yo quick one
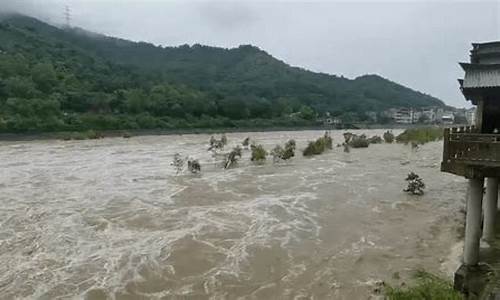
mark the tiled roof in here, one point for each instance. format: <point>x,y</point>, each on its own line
<point>481,76</point>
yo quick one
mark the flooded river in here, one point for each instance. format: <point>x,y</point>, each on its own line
<point>109,219</point>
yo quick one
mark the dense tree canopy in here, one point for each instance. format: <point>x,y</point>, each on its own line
<point>70,79</point>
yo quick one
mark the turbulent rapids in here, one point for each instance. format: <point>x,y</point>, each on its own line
<point>111,219</point>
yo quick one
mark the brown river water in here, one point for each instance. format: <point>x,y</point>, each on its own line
<point>110,219</point>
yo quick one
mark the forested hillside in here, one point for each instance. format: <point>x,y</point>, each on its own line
<point>54,79</point>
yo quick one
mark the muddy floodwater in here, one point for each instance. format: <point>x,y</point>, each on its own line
<point>109,219</point>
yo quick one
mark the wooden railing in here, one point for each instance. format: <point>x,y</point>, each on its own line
<point>464,145</point>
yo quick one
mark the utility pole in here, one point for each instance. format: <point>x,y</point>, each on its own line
<point>67,16</point>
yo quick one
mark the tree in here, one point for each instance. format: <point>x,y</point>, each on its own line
<point>22,87</point>
<point>234,108</point>
<point>44,75</point>
<point>307,113</point>
<point>136,101</point>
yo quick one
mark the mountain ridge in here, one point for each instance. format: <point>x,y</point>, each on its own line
<point>176,85</point>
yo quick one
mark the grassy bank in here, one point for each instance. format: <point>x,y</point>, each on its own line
<point>427,286</point>
<point>420,135</point>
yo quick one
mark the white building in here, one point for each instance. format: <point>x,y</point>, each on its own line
<point>403,115</point>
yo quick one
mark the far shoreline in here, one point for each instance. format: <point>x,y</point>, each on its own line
<point>59,135</point>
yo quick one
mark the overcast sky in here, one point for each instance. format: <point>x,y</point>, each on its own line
<point>417,44</point>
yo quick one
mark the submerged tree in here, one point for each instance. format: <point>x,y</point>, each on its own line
<point>328,140</point>
<point>355,141</point>
<point>232,157</point>
<point>375,140</point>
<point>178,163</point>
<point>359,141</point>
<point>291,144</point>
<point>217,144</point>
<point>347,137</point>
<point>281,154</point>
<point>319,146</point>
<point>277,153</point>
<point>246,142</point>
<point>223,140</point>
<point>194,166</point>
<point>415,184</point>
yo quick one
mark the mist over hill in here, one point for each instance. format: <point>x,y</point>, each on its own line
<point>54,79</point>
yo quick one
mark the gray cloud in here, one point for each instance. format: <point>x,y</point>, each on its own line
<point>414,43</point>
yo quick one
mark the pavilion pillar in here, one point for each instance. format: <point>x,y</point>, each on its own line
<point>473,221</point>
<point>490,208</point>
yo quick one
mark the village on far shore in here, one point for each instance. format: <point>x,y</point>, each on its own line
<point>407,116</point>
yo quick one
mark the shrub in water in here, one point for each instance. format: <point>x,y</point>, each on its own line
<point>194,166</point>
<point>319,146</point>
<point>258,153</point>
<point>388,137</point>
<point>246,142</point>
<point>279,153</point>
<point>415,184</point>
<point>375,140</point>
<point>359,141</point>
<point>178,163</point>
<point>312,149</point>
<point>347,137</point>
<point>216,144</point>
<point>223,140</point>
<point>291,144</point>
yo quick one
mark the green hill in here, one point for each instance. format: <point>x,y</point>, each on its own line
<point>71,79</point>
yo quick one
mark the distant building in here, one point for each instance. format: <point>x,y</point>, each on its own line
<point>429,115</point>
<point>403,116</point>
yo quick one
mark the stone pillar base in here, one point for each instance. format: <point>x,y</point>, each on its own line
<point>472,281</point>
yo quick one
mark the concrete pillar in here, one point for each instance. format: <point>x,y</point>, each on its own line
<point>490,208</point>
<point>498,208</point>
<point>473,221</point>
